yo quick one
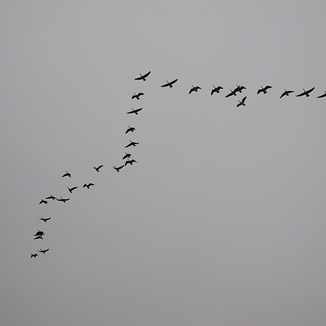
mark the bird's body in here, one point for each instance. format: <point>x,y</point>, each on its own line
<point>132,143</point>
<point>88,185</point>
<point>306,93</point>
<point>118,168</point>
<point>131,162</point>
<point>169,84</point>
<point>263,89</point>
<point>43,202</point>
<point>286,93</point>
<point>216,89</point>
<point>97,168</point>
<point>135,111</point>
<point>43,251</point>
<point>143,77</point>
<point>242,102</point>
<point>130,129</point>
<point>194,89</point>
<point>127,155</point>
<point>45,219</point>
<point>72,189</point>
<point>67,174</point>
<point>34,255</point>
<point>137,96</point>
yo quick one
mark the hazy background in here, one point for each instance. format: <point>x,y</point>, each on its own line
<point>222,219</point>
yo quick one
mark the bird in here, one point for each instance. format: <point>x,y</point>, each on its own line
<point>98,168</point>
<point>118,168</point>
<point>216,89</point>
<point>88,185</point>
<point>39,232</point>
<point>50,197</point>
<point>135,111</point>
<point>43,251</point>
<point>64,200</point>
<point>127,155</point>
<point>38,237</point>
<point>137,96</point>
<point>169,84</point>
<point>43,202</point>
<point>194,89</point>
<point>143,77</point>
<point>286,93</point>
<point>321,96</point>
<point>239,88</point>
<point>263,89</point>
<point>131,162</point>
<point>232,93</point>
<point>67,174</point>
<point>307,93</point>
<point>242,102</point>
<point>34,255</point>
<point>132,143</point>
<point>72,189</point>
<point>44,219</point>
<point>130,129</point>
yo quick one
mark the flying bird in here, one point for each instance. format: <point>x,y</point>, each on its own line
<point>143,77</point>
<point>132,143</point>
<point>45,219</point>
<point>232,93</point>
<point>72,189</point>
<point>118,168</point>
<point>130,129</point>
<point>286,93</point>
<point>64,200</point>
<point>43,251</point>
<point>239,88</point>
<point>88,185</point>
<point>137,96</point>
<point>67,174</point>
<point>38,233</point>
<point>43,202</point>
<point>98,168</point>
<point>169,84</point>
<point>242,102</point>
<point>263,89</point>
<point>34,255</point>
<point>321,96</point>
<point>131,162</point>
<point>135,111</point>
<point>216,89</point>
<point>127,155</point>
<point>306,93</point>
<point>38,237</point>
<point>194,89</point>
<point>50,197</point>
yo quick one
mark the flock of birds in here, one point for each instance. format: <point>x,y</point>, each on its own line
<point>128,160</point>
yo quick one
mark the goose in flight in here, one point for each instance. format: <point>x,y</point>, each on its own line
<point>239,88</point>
<point>88,185</point>
<point>232,93</point>
<point>135,111</point>
<point>131,162</point>
<point>43,251</point>
<point>43,202</point>
<point>38,237</point>
<point>286,93</point>
<point>127,155</point>
<point>263,89</point>
<point>137,96</point>
<point>321,96</point>
<point>45,219</point>
<point>306,93</point>
<point>118,168</point>
<point>143,77</point>
<point>130,129</point>
<point>169,84</point>
<point>242,102</point>
<point>132,143</point>
<point>64,200</point>
<point>194,89</point>
<point>50,197</point>
<point>39,232</point>
<point>98,168</point>
<point>34,255</point>
<point>72,189</point>
<point>67,174</point>
<point>216,89</point>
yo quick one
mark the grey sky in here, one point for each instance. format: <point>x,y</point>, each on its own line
<point>222,219</point>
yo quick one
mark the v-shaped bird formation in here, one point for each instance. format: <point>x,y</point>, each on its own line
<point>127,157</point>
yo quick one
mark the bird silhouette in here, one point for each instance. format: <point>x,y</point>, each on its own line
<point>170,84</point>
<point>232,93</point>
<point>143,77</point>
<point>263,89</point>
<point>194,89</point>
<point>34,255</point>
<point>98,168</point>
<point>88,185</point>
<point>132,143</point>
<point>43,251</point>
<point>130,129</point>
<point>39,232</point>
<point>286,93</point>
<point>67,174</point>
<point>131,162</point>
<point>127,155</point>
<point>216,89</point>
<point>242,102</point>
<point>135,111</point>
<point>43,202</point>
<point>45,219</point>
<point>38,237</point>
<point>306,93</point>
<point>72,189</point>
<point>118,168</point>
<point>137,96</point>
<point>64,200</point>
<point>321,96</point>
<point>50,197</point>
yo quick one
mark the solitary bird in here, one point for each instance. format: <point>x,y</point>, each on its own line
<point>143,77</point>
<point>263,89</point>
<point>64,200</point>
<point>98,168</point>
<point>306,93</point>
<point>34,255</point>
<point>45,219</point>
<point>242,102</point>
<point>127,155</point>
<point>43,251</point>
<point>286,93</point>
<point>130,129</point>
<point>137,96</point>
<point>67,174</point>
<point>216,89</point>
<point>72,189</point>
<point>43,202</point>
<point>169,84</point>
<point>118,168</point>
<point>50,197</point>
<point>88,185</point>
<point>131,162</point>
<point>135,111</point>
<point>194,89</point>
<point>132,143</point>
<point>321,96</point>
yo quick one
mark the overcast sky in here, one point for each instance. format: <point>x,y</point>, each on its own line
<point>222,219</point>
